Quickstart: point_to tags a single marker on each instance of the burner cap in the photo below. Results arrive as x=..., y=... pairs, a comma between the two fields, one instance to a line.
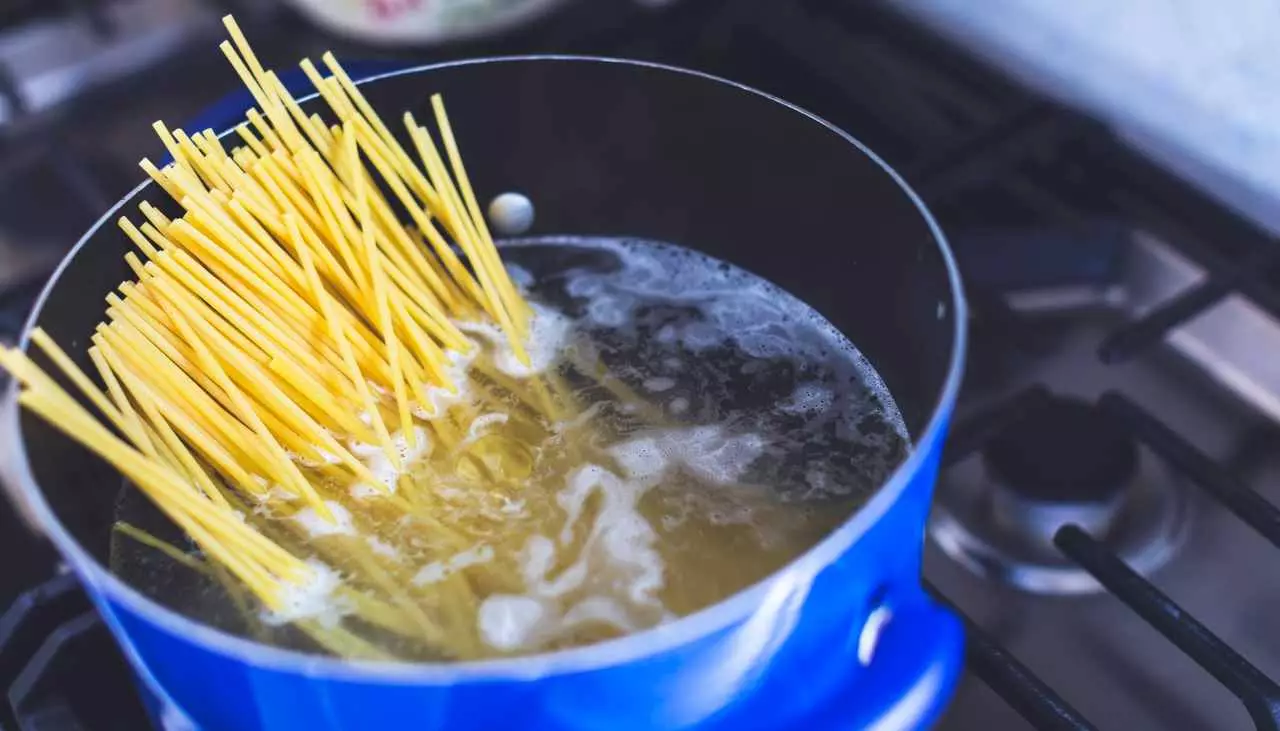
x=1061, y=462
x=1063, y=450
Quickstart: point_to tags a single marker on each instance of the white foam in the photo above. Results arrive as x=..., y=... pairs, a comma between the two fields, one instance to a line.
x=600, y=609
x=735, y=307
x=441, y=398
x=819, y=483
x=621, y=544
x=313, y=599
x=438, y=571
x=326, y=458
x=808, y=398
x=581, y=418
x=608, y=311
x=382, y=548
x=385, y=474
x=602, y=564
x=317, y=527
x=360, y=450
x=708, y=452
x=274, y=493
x=643, y=459
x=509, y=622
x=482, y=422
x=549, y=333
x=658, y=384
x=364, y=491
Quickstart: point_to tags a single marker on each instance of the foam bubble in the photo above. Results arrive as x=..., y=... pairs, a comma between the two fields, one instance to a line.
x=326, y=458
x=620, y=547
x=438, y=571
x=549, y=332
x=672, y=322
x=608, y=311
x=600, y=609
x=642, y=459
x=440, y=397
x=385, y=474
x=364, y=491
x=734, y=306
x=620, y=538
x=312, y=599
x=482, y=422
x=382, y=548
x=658, y=384
x=584, y=417
x=709, y=452
x=273, y=494
x=317, y=527
x=508, y=622
x=808, y=398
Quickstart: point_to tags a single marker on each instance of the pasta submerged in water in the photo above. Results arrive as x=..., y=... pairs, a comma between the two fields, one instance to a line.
x=382, y=445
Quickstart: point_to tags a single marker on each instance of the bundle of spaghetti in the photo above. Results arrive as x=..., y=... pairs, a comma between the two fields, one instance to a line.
x=288, y=348
x=294, y=376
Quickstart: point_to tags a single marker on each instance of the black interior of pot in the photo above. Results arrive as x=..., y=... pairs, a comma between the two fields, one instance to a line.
x=620, y=150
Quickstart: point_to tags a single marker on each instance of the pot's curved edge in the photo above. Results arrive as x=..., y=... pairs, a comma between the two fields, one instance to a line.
x=612, y=652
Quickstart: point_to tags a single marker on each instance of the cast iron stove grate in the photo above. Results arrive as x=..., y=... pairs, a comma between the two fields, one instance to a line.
x=959, y=133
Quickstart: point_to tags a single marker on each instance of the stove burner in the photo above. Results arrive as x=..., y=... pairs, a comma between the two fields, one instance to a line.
x=1060, y=462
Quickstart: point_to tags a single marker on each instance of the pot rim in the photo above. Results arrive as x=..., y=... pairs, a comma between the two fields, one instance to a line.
x=646, y=643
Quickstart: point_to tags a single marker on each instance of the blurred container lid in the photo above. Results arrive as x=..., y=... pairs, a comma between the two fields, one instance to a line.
x=419, y=22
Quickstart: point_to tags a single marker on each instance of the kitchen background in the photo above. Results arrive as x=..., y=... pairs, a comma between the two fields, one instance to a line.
x=1108, y=172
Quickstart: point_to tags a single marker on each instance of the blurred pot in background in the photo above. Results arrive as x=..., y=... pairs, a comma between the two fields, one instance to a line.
x=429, y=22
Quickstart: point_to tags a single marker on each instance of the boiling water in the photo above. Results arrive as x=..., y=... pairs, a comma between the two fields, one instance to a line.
x=712, y=428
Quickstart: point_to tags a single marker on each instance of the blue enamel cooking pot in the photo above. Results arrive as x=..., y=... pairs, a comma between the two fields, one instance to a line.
x=843, y=637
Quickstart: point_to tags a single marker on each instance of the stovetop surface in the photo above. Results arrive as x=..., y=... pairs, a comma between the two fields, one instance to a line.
x=1093, y=275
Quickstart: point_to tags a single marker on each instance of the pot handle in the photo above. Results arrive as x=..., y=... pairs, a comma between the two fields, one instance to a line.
x=912, y=651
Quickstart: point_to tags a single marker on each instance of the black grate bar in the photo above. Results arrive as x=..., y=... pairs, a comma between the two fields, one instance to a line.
x=974, y=430
x=24, y=685
x=1049, y=204
x=992, y=149
x=934, y=65
x=1014, y=682
x=1018, y=686
x=827, y=54
x=1260, y=696
x=1125, y=342
x=1237, y=497
x=28, y=622
x=1132, y=338
x=1172, y=228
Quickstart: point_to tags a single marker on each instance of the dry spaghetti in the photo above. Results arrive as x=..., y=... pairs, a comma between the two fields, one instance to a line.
x=324, y=375
x=289, y=348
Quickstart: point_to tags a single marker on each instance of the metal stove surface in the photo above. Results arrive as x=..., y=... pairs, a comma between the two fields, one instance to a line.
x=1072, y=250
x=1090, y=647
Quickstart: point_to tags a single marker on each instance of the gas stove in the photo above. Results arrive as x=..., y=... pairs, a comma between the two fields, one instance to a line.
x=1107, y=507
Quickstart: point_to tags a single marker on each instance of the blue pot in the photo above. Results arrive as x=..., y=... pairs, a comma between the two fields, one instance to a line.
x=843, y=637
